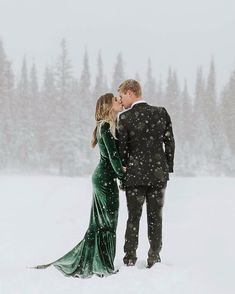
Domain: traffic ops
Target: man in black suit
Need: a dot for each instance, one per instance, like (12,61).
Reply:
(146,146)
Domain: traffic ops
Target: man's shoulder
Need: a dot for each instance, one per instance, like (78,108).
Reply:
(158,112)
(145,107)
(125,113)
(156,109)
(160,109)
(132,110)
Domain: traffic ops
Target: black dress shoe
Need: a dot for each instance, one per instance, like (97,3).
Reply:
(151,261)
(129,261)
(150,264)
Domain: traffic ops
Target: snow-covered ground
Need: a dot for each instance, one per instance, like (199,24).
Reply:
(41,218)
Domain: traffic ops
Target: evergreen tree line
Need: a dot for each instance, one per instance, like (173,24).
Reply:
(47,128)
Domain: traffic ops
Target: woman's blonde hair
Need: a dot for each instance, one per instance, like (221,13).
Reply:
(103,113)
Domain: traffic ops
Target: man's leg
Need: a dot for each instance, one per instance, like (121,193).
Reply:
(154,203)
(135,198)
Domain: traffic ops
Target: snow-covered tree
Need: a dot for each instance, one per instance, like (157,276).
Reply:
(173,105)
(24,119)
(48,126)
(227,107)
(159,93)
(210,102)
(172,96)
(47,119)
(118,75)
(150,85)
(86,112)
(99,88)
(202,143)
(63,83)
(7,130)
(185,135)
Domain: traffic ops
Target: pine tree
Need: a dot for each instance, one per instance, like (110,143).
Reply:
(24,127)
(228,121)
(210,107)
(174,107)
(215,120)
(199,92)
(202,143)
(99,88)
(34,112)
(2,105)
(6,111)
(118,75)
(150,86)
(228,110)
(47,119)
(85,115)
(34,92)
(168,91)
(172,95)
(63,82)
(3,62)
(159,93)
(185,134)
(186,113)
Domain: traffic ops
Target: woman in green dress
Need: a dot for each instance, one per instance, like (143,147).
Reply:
(94,255)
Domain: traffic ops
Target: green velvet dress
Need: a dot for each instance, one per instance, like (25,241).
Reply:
(95,253)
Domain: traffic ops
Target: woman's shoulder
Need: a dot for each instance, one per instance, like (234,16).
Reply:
(104,126)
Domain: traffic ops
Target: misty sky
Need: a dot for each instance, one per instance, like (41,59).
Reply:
(181,33)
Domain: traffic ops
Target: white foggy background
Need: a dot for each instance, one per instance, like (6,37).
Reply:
(183,34)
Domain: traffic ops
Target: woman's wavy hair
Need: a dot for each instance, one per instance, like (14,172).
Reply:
(103,113)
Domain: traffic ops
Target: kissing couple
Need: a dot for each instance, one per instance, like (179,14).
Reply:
(138,149)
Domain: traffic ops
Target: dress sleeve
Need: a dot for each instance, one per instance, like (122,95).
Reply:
(110,144)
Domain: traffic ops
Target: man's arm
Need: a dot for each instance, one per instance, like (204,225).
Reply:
(169,142)
(123,139)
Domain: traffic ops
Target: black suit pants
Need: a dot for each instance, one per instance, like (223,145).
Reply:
(136,196)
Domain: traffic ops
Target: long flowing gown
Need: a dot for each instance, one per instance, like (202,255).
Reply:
(95,253)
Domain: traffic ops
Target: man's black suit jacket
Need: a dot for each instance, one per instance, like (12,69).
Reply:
(146,144)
